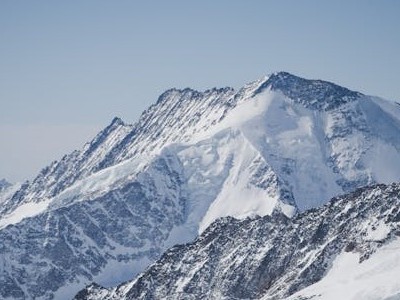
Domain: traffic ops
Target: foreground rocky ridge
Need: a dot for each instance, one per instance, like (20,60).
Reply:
(269,257)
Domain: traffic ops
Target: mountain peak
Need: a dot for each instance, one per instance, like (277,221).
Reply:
(313,94)
(117,121)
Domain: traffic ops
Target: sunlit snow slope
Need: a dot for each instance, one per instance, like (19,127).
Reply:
(281,143)
(348,279)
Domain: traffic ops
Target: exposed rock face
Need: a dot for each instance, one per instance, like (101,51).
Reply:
(313,94)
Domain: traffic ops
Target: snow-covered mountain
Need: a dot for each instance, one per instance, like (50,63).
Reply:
(281,144)
(347,249)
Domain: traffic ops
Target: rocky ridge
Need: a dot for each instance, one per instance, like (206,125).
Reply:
(270,257)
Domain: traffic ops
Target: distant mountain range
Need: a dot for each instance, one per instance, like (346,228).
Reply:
(279,146)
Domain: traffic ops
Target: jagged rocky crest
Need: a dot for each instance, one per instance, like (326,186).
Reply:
(269,257)
(314,94)
(281,144)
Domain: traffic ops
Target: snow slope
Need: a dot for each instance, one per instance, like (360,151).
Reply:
(348,279)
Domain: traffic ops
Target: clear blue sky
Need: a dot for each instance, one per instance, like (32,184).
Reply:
(68,67)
